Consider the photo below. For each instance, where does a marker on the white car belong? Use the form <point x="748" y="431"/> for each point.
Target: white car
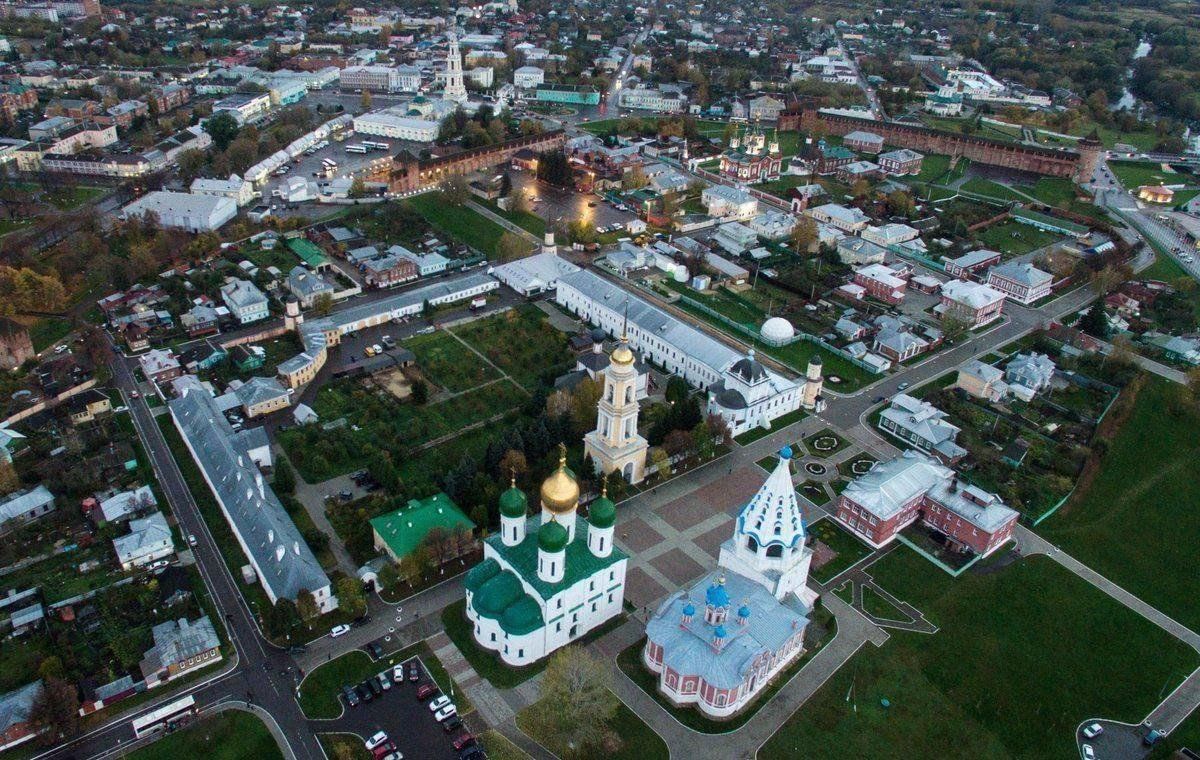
<point x="379" y="738"/>
<point x="1093" y="730"/>
<point x="191" y="539"/>
<point x="439" y="703"/>
<point x="1088" y="752"/>
<point x="338" y="630"/>
<point x="447" y="712"/>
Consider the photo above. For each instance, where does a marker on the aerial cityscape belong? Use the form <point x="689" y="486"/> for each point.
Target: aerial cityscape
<point x="534" y="379"/>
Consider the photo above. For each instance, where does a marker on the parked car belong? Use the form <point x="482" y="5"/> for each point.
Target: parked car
<point x="375" y="650"/>
<point x="414" y="671"/>
<point x="385" y="680"/>
<point x="1088" y="752"/>
<point x="383" y="750"/>
<point x="463" y="740"/>
<point x="473" y="753"/>
<point x="1093" y="730"/>
<point x="339" y="630"/>
<point x="376" y="740"/>
<point x="903" y="386"/>
<point x="374" y="685"/>
<point x="446" y="712"/>
<point x="364" y="694"/>
<point x="452" y="725"/>
<point x="351" y="696"/>
<point x="192" y="539"/>
<point x="425" y="691"/>
<point x="439" y="703"/>
<point x="297" y="649"/>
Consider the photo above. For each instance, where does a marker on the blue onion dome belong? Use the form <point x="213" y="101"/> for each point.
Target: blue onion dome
<point x="719" y="632"/>
<point x="552" y="537"/>
<point x="744" y="611"/>
<point x="785" y="452"/>
<point x="716" y="595"/>
<point x="689" y="609"/>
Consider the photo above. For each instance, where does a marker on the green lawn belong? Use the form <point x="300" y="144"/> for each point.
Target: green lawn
<point x="48" y="331"/>
<point x="830" y="443"/>
<point x="750" y="436"/>
<point x="499" y="747"/>
<point x="446" y="362"/>
<point x="486" y="663"/>
<point x="12" y="225"/>
<point x="459" y="222"/>
<point x="522" y="343"/>
<point x="344" y="747"/>
<point x="638" y="741"/>
<point x="876" y="605"/>
<point x="1143" y="497"/>
<point x="987" y="187"/>
<point x="230" y="735"/>
<point x="1023" y="654"/>
<point x="1013" y="238"/>
<point x="526" y="220"/>
<point x="779" y="187"/>
<point x="1053" y="191"/>
<point x="1133" y="174"/>
<point x="933" y="167"/>
<point x="1164" y="268"/>
<point x="849" y="549"/>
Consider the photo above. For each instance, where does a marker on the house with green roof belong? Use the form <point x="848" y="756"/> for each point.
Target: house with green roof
<point x="549" y="579"/>
<point x="399" y="533"/>
<point x="308" y="252"/>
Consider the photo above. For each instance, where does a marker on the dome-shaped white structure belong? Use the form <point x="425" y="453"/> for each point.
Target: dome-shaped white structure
<point x="777" y="330"/>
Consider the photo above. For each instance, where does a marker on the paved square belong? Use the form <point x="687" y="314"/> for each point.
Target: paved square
<point x="686" y="512"/>
<point x="640" y="589"/>
<point x="710" y="542"/>
<point x="636" y="536"/>
<point x="678" y="567"/>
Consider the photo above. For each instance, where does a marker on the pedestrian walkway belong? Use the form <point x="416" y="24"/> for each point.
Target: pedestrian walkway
<point x="312" y="497"/>
<point x="492" y="706"/>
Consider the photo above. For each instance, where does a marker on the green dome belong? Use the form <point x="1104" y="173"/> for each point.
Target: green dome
<point x="602" y="513"/>
<point x="552" y="537"/>
<point x="513" y="503"/>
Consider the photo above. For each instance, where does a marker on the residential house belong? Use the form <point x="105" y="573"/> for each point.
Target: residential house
<point x="974" y="261"/>
<point x="148" y="540"/>
<point x="1022" y="282"/>
<point x="899" y="344"/>
<point x="881" y="282"/>
<point x="726" y="202"/>
<point x="262" y="395"/>
<point x="735" y="238"/>
<point x="973" y="303"/>
<point x="1029" y="374"/>
<point x="86" y="406"/>
<point x="121" y="506"/>
<point x="921" y="424"/>
<point x="16" y="707"/>
<point x="982" y="381"/>
<point x="1177" y="349"/>
<point x="180" y="646"/>
<point x="199" y="320"/>
<point x="400" y="533"/>
<point x="854" y="251"/>
<point x="846" y="219"/>
<point x="864" y="142"/>
<point x="160" y="365"/>
<point x="388" y="270"/>
<point x="901" y="162"/>
<point x="23" y="507"/>
<point x="890" y="234"/>
<point x="246" y="302"/>
<point x="307" y="286"/>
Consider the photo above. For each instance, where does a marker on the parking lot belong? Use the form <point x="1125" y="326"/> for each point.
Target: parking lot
<point x="406" y="720"/>
<point x="553" y="203"/>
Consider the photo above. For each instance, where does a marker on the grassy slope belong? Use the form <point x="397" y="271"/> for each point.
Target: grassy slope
<point x="1131" y="524"/>
<point x="227" y="736"/>
<point x="1022" y="656"/>
<point x="463" y="224"/>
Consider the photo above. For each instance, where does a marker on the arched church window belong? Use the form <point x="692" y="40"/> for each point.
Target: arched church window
<point x="775" y="550"/>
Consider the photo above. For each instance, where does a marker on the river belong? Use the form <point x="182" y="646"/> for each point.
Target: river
<point x="1127" y="99"/>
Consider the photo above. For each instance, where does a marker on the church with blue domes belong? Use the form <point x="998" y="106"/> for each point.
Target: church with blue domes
<point x="717" y="644"/>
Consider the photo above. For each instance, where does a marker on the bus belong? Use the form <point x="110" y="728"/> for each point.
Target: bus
<point x="356" y="149"/>
<point x="376" y="145"/>
<point x="168" y="716"/>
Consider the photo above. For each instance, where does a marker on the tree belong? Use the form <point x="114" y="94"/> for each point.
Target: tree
<point x="420" y="392"/>
<point x="677" y="390"/>
<point x="351" y="597"/>
<point x="575" y="684"/>
<point x="358" y="188"/>
<point x="284" y="481"/>
<point x="703" y="441"/>
<point x="9" y="480"/>
<point x="513" y="464"/>
<point x="1095" y="321"/>
<point x="861" y="188"/>
<point x="658" y="461"/>
<point x="365" y="100"/>
<point x="323" y="305"/>
<point x="804" y="235"/>
<point x="634" y="179"/>
<point x="584" y="399"/>
<point x="900" y="203"/>
<point x="505" y="185"/>
<point x="455" y="190"/>
<point x="554" y="168"/>
<point x="582" y="231"/>
<point x="306" y="605"/>
<point x="953" y="327"/>
<point x="281" y="618"/>
<point x="55" y="711"/>
<point x="223" y="128"/>
<point x="511" y="246"/>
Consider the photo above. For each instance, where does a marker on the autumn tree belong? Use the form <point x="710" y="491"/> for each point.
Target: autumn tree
<point x="365" y="100"/>
<point x="351" y="597"/>
<point x="511" y="247"/>
<point x="576" y="683"/>
<point x="804" y="235"/>
<point x="9" y="480"/>
<point x="455" y="190"/>
<point x="306" y="605"/>
<point x="55" y="711"/>
<point x="634" y="179"/>
<point x="323" y="305"/>
<point x="513" y="464"/>
<point x="658" y="461"/>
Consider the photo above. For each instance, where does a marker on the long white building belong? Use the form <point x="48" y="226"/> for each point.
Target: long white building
<point x="184" y="211"/>
<point x="391" y="122"/>
<point x="740" y="389"/>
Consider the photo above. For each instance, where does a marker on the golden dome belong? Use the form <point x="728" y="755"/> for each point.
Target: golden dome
<point x="621" y="354"/>
<point x="560" y="492"/>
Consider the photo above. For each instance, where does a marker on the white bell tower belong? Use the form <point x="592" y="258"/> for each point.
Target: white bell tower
<point x="615" y="445"/>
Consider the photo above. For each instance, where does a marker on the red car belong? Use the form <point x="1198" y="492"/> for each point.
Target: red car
<point x="463" y="740"/>
<point x="427" y="691"/>
<point x="383" y="750"/>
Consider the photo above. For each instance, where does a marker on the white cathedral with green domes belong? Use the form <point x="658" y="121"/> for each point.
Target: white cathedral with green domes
<point x="547" y="579"/>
